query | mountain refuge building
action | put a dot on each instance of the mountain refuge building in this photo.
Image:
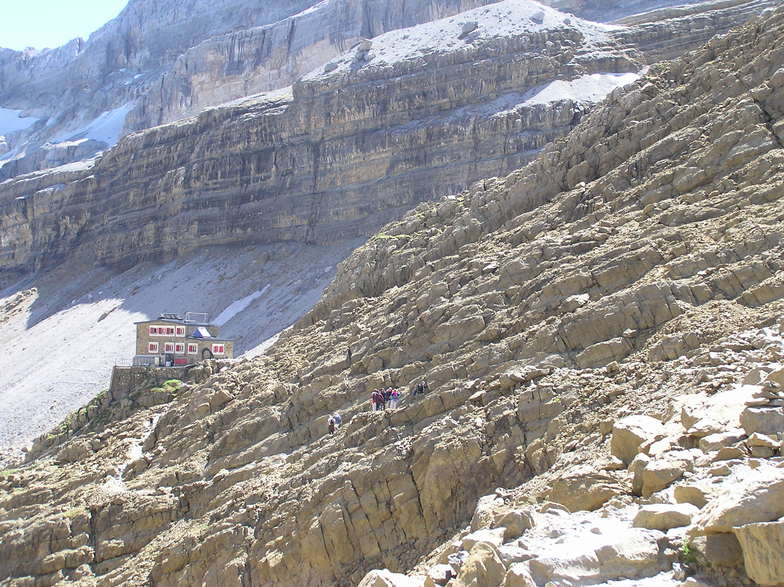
(174, 340)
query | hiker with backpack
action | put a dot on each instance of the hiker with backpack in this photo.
(421, 388)
(377, 400)
(387, 395)
(394, 398)
(334, 422)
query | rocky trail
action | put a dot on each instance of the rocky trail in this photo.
(601, 331)
(701, 482)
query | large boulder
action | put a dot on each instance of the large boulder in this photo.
(763, 551)
(516, 522)
(518, 575)
(756, 496)
(483, 567)
(630, 432)
(694, 493)
(665, 516)
(719, 550)
(627, 553)
(720, 440)
(660, 473)
(583, 488)
(494, 536)
(763, 420)
(777, 377)
(386, 578)
(634, 553)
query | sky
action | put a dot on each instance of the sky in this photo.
(51, 23)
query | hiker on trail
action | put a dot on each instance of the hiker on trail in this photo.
(394, 399)
(377, 399)
(348, 355)
(387, 396)
(421, 388)
(338, 419)
(332, 425)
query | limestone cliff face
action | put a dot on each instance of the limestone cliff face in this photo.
(273, 56)
(173, 58)
(341, 154)
(610, 276)
(163, 60)
(262, 58)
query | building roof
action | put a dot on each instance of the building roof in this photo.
(172, 321)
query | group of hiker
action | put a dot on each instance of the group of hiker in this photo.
(381, 399)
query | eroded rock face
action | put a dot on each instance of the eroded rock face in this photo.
(262, 58)
(340, 155)
(162, 61)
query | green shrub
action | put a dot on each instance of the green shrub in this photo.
(175, 383)
(687, 554)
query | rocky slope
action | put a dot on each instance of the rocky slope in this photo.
(634, 262)
(162, 60)
(409, 116)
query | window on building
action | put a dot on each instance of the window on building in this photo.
(218, 349)
(153, 331)
(168, 347)
(152, 348)
(179, 348)
(181, 331)
(170, 330)
(193, 349)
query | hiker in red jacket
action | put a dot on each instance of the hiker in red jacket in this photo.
(377, 399)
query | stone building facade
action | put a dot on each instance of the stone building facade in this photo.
(174, 340)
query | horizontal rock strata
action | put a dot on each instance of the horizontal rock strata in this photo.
(337, 157)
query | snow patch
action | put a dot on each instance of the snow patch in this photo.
(588, 88)
(238, 306)
(506, 19)
(107, 128)
(13, 121)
